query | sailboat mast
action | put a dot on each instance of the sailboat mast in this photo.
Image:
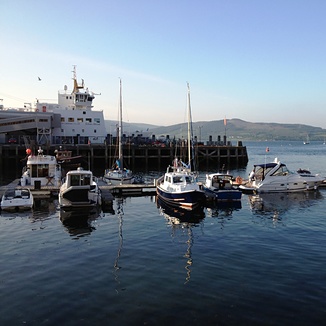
(189, 131)
(120, 127)
(191, 150)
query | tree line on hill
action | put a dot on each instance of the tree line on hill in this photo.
(234, 129)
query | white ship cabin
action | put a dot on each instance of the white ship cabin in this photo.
(79, 123)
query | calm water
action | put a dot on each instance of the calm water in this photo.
(262, 263)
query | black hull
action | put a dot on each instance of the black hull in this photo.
(187, 200)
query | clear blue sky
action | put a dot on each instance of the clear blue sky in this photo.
(257, 60)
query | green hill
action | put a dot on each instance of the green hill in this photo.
(235, 129)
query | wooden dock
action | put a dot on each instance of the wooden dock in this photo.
(107, 190)
(133, 189)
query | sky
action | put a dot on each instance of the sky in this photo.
(256, 60)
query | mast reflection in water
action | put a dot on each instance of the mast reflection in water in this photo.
(120, 213)
(184, 220)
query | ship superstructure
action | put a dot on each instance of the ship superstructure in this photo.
(70, 121)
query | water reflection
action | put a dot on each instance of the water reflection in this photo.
(274, 205)
(18, 214)
(117, 267)
(182, 220)
(42, 210)
(79, 222)
(223, 211)
(176, 215)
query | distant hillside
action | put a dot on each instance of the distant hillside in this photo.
(235, 129)
(129, 128)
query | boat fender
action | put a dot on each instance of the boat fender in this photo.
(238, 180)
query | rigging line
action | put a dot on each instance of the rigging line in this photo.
(13, 97)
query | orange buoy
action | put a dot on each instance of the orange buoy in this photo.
(238, 180)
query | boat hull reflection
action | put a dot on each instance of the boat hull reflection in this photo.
(222, 209)
(177, 215)
(282, 202)
(78, 222)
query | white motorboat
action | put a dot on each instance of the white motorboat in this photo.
(118, 174)
(178, 186)
(41, 170)
(313, 180)
(17, 199)
(80, 190)
(218, 186)
(276, 177)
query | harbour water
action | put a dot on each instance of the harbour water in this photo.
(261, 263)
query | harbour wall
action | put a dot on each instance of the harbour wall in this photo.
(136, 157)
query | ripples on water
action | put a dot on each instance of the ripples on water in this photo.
(260, 262)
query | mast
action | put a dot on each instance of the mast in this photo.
(120, 128)
(189, 119)
(190, 131)
(76, 86)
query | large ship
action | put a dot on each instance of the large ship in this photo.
(70, 121)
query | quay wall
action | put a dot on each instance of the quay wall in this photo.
(136, 157)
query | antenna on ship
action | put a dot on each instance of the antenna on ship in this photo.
(74, 78)
(76, 86)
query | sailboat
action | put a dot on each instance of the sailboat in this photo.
(178, 186)
(307, 141)
(118, 174)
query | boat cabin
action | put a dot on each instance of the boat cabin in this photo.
(178, 179)
(219, 181)
(271, 169)
(79, 178)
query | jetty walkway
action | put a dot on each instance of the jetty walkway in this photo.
(107, 190)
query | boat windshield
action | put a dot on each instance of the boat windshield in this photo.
(80, 180)
(262, 171)
(281, 171)
(177, 179)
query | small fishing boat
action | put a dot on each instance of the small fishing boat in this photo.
(17, 199)
(41, 170)
(178, 186)
(80, 190)
(276, 177)
(218, 186)
(118, 174)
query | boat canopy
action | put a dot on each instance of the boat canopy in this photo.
(268, 165)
